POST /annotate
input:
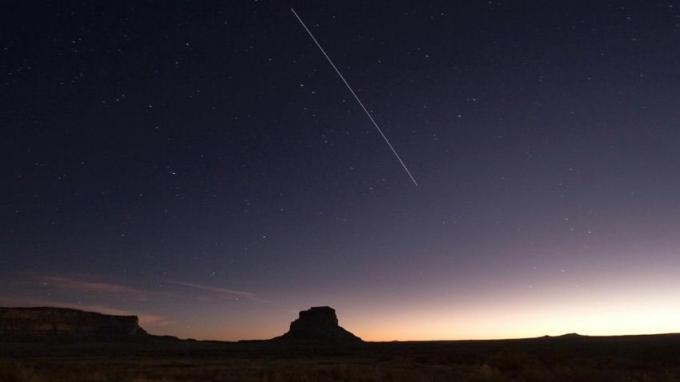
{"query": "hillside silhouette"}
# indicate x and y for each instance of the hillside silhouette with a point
(56, 344)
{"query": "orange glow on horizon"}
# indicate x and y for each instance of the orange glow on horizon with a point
(593, 317)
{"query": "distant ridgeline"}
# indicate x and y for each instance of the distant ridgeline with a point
(62, 323)
(317, 325)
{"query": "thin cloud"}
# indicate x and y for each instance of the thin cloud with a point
(110, 288)
(230, 294)
(92, 286)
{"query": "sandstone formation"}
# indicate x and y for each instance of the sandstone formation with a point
(318, 324)
(46, 323)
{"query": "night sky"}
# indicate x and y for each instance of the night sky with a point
(201, 165)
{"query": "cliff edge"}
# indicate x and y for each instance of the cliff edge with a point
(47, 322)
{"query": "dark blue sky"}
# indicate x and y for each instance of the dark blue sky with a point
(200, 164)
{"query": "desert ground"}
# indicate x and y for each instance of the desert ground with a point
(566, 358)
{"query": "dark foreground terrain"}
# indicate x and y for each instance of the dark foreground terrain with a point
(567, 358)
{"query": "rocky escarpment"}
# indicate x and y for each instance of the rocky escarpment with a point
(46, 323)
(318, 324)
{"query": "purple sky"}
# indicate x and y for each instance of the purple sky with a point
(202, 166)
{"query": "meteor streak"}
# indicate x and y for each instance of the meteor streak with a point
(355, 96)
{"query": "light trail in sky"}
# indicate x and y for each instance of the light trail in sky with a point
(394, 151)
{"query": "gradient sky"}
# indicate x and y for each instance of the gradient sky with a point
(199, 164)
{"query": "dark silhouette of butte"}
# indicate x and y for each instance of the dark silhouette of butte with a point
(318, 324)
(52, 323)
